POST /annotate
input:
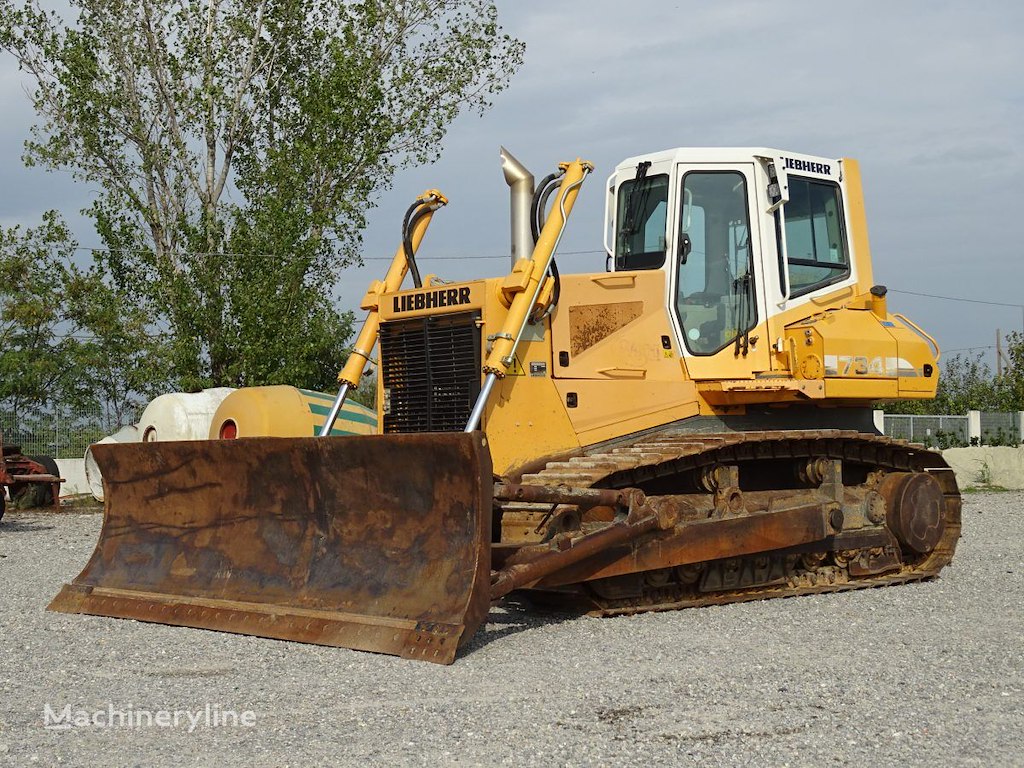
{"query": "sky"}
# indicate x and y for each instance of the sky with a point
(928, 96)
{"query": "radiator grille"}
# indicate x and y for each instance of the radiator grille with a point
(430, 369)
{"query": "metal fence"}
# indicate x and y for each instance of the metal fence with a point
(937, 431)
(974, 428)
(1000, 429)
(63, 432)
(60, 432)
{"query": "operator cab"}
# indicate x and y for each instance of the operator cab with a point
(742, 235)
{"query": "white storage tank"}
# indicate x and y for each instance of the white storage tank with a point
(93, 478)
(174, 416)
(181, 415)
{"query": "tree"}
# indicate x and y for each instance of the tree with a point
(120, 358)
(1010, 387)
(66, 335)
(236, 146)
(965, 383)
(35, 355)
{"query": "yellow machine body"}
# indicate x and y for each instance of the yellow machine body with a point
(611, 358)
(690, 426)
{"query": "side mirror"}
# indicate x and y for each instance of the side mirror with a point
(685, 246)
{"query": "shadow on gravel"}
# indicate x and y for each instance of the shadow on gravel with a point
(11, 524)
(512, 617)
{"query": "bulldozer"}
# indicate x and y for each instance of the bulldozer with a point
(691, 425)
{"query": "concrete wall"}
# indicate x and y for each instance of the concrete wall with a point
(986, 467)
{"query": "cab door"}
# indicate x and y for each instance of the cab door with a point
(715, 297)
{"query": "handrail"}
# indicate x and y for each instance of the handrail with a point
(921, 332)
(609, 199)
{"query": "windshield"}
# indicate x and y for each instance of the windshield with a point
(641, 214)
(815, 237)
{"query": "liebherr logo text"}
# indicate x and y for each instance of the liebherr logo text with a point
(446, 297)
(803, 165)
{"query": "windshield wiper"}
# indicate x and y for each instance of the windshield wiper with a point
(741, 290)
(637, 199)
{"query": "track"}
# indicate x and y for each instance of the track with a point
(669, 462)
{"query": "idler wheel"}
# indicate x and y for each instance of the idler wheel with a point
(914, 509)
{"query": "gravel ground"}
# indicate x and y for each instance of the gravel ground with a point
(923, 674)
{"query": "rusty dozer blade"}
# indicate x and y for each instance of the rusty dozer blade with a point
(377, 543)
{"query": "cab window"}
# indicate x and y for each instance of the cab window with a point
(641, 212)
(816, 251)
(715, 288)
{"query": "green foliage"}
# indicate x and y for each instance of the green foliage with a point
(66, 335)
(121, 357)
(965, 383)
(236, 146)
(942, 440)
(1010, 386)
(34, 351)
(984, 475)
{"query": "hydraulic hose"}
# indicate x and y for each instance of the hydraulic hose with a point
(539, 205)
(538, 215)
(410, 255)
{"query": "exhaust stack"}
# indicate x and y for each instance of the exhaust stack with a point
(520, 182)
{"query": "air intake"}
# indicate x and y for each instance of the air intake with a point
(430, 369)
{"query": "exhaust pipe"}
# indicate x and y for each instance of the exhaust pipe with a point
(520, 182)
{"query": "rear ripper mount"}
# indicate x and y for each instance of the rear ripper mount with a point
(403, 563)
